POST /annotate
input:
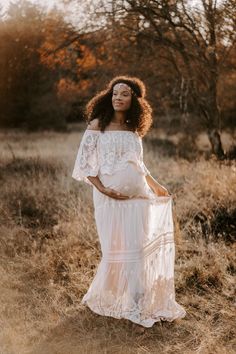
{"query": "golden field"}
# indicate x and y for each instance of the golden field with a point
(49, 249)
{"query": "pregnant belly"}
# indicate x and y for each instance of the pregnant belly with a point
(128, 181)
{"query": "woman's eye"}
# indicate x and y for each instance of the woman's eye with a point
(123, 94)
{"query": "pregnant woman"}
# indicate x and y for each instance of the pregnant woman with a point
(133, 212)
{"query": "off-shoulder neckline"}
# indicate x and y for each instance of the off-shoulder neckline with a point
(112, 131)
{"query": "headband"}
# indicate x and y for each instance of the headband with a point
(127, 86)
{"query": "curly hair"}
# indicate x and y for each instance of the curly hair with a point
(138, 116)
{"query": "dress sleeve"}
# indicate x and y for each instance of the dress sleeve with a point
(144, 167)
(87, 160)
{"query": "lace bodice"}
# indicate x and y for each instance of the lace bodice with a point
(108, 152)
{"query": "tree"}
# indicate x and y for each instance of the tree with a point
(28, 86)
(197, 41)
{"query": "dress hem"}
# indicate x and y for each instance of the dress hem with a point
(145, 323)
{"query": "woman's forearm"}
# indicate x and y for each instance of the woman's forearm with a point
(152, 182)
(96, 182)
(156, 187)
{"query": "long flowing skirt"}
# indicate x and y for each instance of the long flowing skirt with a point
(135, 278)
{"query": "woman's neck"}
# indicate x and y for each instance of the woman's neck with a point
(119, 117)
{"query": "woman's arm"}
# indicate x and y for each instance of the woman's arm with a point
(105, 190)
(96, 182)
(157, 188)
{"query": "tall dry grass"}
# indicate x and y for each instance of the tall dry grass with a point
(50, 250)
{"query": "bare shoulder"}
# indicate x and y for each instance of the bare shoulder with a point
(93, 124)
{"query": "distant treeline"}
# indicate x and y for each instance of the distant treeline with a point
(49, 70)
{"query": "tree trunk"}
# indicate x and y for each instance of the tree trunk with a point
(216, 145)
(214, 121)
(211, 115)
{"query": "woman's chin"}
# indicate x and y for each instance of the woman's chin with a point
(119, 109)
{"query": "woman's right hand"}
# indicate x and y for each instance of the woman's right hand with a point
(112, 193)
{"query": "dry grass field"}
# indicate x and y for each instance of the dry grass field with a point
(49, 249)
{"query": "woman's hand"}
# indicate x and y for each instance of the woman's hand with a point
(112, 193)
(105, 190)
(157, 188)
(160, 191)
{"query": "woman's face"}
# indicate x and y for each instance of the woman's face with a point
(121, 97)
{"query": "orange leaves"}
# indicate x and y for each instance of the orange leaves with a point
(87, 59)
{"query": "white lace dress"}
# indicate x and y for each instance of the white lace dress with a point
(135, 278)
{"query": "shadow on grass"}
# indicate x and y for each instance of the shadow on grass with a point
(88, 332)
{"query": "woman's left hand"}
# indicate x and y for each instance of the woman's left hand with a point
(161, 191)
(157, 188)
